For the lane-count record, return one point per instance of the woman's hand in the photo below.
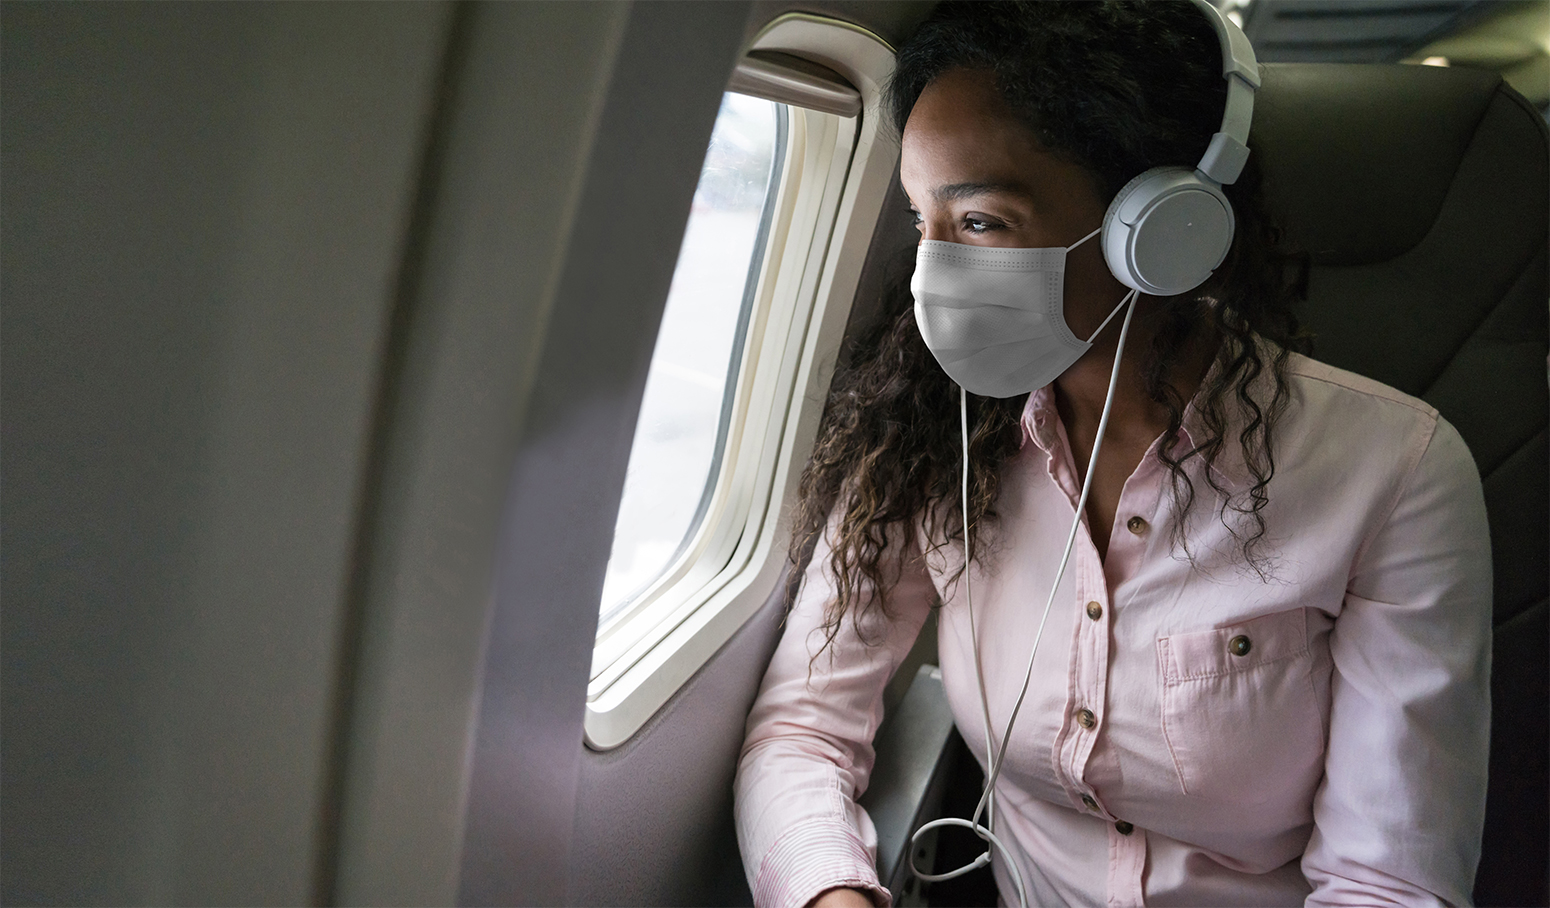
(842, 898)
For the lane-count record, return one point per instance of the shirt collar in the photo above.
(1040, 420)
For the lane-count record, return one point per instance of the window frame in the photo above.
(833, 179)
(689, 548)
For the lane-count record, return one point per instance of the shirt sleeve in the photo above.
(808, 752)
(1398, 817)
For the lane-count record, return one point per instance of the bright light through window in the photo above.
(684, 415)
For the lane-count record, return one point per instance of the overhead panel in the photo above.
(1349, 31)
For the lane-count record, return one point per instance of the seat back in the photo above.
(1420, 194)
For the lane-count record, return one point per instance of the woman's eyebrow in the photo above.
(958, 191)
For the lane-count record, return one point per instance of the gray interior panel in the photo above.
(652, 131)
(654, 816)
(204, 210)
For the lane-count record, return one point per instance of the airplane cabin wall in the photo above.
(667, 69)
(204, 213)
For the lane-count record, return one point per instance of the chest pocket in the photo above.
(1239, 709)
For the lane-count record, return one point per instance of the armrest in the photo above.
(914, 749)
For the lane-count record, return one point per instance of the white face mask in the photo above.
(995, 318)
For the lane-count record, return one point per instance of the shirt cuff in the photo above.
(814, 857)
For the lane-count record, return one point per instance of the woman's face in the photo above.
(978, 176)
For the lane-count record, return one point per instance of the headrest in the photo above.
(1358, 158)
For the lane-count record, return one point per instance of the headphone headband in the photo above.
(1229, 150)
(1170, 227)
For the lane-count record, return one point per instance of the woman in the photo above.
(1264, 677)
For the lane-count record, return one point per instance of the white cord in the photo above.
(987, 800)
(997, 756)
(968, 585)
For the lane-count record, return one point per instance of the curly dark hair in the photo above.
(1118, 88)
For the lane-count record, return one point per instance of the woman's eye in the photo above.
(970, 225)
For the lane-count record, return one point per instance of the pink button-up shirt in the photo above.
(1194, 733)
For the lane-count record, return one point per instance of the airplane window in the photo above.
(788, 199)
(684, 415)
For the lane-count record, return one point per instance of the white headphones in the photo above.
(1170, 227)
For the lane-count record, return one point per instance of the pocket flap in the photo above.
(1234, 648)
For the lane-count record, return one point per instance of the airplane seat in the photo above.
(1419, 194)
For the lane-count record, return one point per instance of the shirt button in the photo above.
(1136, 525)
(1239, 645)
(1085, 718)
(1094, 611)
(1123, 828)
(1088, 801)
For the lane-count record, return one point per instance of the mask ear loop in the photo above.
(996, 755)
(1115, 311)
(1085, 239)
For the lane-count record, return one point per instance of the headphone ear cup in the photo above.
(1166, 231)
(1116, 233)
